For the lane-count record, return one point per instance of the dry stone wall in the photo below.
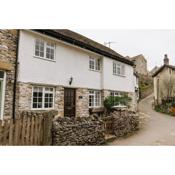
(124, 122)
(78, 131)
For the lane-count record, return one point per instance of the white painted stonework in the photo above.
(70, 62)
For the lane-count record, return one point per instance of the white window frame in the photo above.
(96, 61)
(116, 94)
(117, 65)
(43, 98)
(94, 101)
(45, 49)
(3, 95)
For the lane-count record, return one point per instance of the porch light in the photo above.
(71, 80)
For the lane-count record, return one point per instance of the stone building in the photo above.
(153, 70)
(64, 71)
(140, 64)
(8, 50)
(164, 79)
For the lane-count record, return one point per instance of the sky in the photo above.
(153, 44)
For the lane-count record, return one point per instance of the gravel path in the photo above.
(156, 128)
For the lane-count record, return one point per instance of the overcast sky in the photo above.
(153, 44)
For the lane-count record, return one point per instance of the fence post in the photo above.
(47, 129)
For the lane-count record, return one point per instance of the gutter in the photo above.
(15, 77)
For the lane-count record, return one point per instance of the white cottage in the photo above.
(67, 72)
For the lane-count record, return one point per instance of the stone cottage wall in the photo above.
(82, 102)
(24, 97)
(24, 100)
(8, 46)
(59, 100)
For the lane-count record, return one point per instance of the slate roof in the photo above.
(161, 68)
(83, 42)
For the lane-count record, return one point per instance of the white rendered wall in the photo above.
(114, 82)
(70, 62)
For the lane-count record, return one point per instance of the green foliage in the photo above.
(165, 108)
(111, 101)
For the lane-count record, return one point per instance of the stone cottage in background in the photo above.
(164, 79)
(140, 64)
(60, 70)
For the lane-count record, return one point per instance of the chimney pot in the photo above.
(166, 59)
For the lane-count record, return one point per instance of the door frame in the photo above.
(3, 95)
(75, 96)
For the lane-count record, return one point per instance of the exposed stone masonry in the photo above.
(124, 122)
(82, 102)
(78, 131)
(8, 45)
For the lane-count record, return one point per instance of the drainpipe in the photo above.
(15, 77)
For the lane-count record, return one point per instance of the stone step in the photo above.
(110, 137)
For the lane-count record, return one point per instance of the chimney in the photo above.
(166, 59)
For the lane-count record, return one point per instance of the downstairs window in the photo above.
(43, 98)
(94, 98)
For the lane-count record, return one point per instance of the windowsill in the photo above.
(95, 70)
(46, 59)
(91, 107)
(96, 109)
(42, 109)
(119, 75)
(119, 106)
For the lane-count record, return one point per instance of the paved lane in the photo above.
(156, 128)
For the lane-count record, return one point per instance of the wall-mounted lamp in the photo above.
(71, 80)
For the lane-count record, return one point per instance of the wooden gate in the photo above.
(26, 131)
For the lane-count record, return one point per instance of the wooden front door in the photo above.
(69, 102)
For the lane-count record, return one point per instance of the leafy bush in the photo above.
(111, 101)
(173, 104)
(165, 108)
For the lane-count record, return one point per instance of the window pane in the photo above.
(34, 105)
(37, 97)
(48, 103)
(123, 70)
(114, 68)
(39, 105)
(50, 50)
(36, 52)
(97, 64)
(34, 100)
(39, 48)
(92, 63)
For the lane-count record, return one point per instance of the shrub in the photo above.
(111, 101)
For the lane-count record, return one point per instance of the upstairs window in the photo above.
(50, 51)
(118, 68)
(44, 49)
(39, 48)
(94, 64)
